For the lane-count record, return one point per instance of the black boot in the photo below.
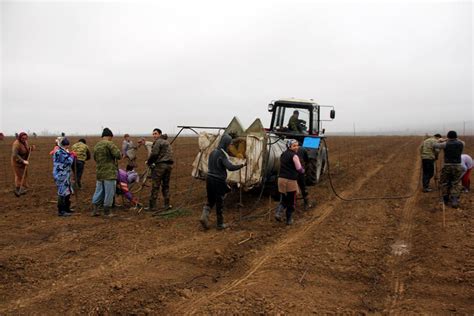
(151, 206)
(68, 204)
(167, 205)
(108, 212)
(62, 207)
(95, 210)
(454, 202)
(289, 216)
(17, 191)
(445, 199)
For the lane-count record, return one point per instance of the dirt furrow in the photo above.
(403, 244)
(280, 246)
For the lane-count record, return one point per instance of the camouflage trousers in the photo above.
(160, 177)
(450, 180)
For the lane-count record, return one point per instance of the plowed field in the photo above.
(377, 255)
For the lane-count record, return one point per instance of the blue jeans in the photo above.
(104, 192)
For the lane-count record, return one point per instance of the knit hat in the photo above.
(452, 135)
(107, 132)
(64, 142)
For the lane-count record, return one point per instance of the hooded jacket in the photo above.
(219, 162)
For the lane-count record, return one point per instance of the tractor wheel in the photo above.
(311, 172)
(322, 160)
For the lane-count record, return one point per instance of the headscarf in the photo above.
(20, 136)
(64, 142)
(290, 142)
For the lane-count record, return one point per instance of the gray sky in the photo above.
(77, 66)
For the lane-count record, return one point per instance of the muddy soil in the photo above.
(402, 255)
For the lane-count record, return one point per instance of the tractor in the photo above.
(306, 128)
(261, 147)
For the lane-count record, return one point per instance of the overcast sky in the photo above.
(133, 66)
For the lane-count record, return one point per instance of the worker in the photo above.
(295, 124)
(466, 163)
(106, 155)
(160, 162)
(124, 179)
(20, 155)
(129, 151)
(428, 157)
(148, 145)
(216, 185)
(290, 167)
(452, 170)
(62, 163)
(83, 154)
(303, 157)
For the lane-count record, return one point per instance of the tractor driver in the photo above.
(295, 124)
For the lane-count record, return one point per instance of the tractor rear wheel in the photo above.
(311, 171)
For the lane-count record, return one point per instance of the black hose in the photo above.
(364, 198)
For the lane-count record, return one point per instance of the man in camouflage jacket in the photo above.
(161, 164)
(428, 157)
(106, 155)
(452, 169)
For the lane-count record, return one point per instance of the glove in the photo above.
(73, 154)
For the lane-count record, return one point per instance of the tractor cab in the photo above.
(302, 120)
(297, 117)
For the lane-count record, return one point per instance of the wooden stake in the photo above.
(26, 168)
(76, 187)
(444, 216)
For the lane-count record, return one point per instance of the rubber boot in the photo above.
(454, 202)
(279, 212)
(307, 205)
(108, 212)
(205, 217)
(289, 217)
(220, 222)
(167, 206)
(68, 208)
(445, 199)
(62, 206)
(151, 206)
(95, 210)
